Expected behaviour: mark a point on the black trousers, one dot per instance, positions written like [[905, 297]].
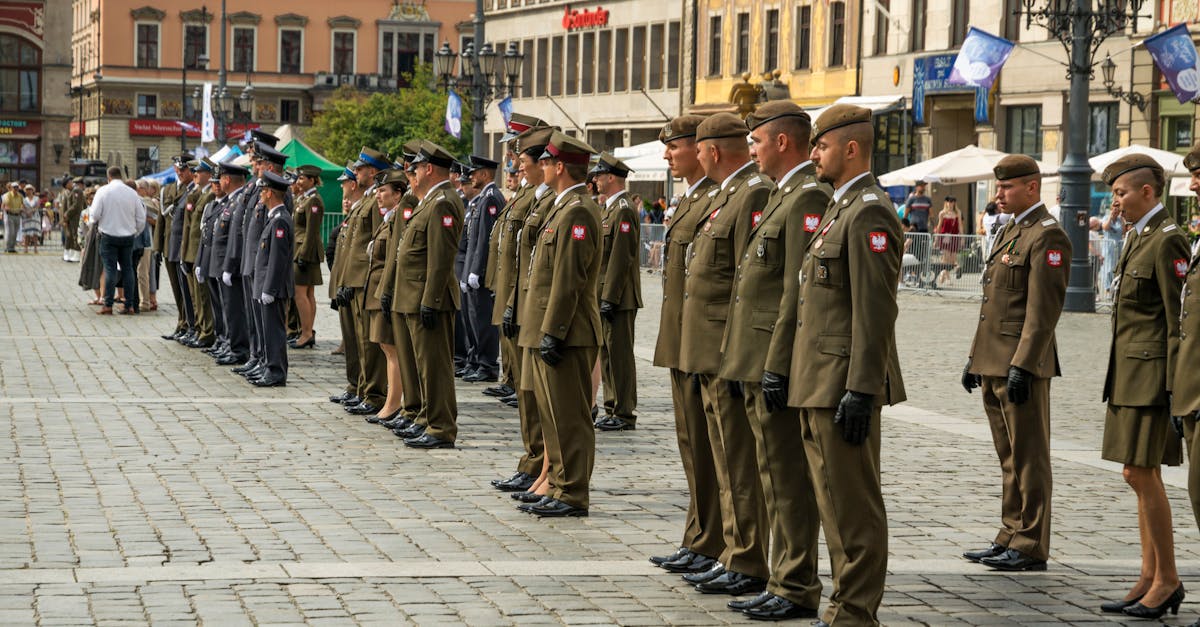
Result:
[[253, 325], [482, 335], [114, 252], [274, 337], [181, 303], [462, 349], [233, 302], [189, 314], [218, 305]]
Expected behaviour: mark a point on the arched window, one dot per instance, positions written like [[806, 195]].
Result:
[[20, 75]]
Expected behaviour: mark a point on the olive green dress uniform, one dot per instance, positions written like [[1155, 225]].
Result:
[[75, 206], [192, 227], [501, 276], [1185, 391], [380, 325], [711, 264], [168, 197], [702, 531], [307, 218], [845, 340], [364, 220], [621, 285], [764, 302], [560, 301], [341, 258], [410, 402]]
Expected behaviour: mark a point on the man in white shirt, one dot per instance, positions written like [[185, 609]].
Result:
[[119, 215]]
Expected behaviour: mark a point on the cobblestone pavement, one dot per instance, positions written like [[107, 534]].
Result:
[[139, 483]]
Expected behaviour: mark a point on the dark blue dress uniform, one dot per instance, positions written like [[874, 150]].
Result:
[[479, 301], [274, 282]]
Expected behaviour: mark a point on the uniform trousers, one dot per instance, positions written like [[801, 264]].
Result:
[[350, 350], [462, 348], [791, 502], [254, 324], [274, 318], [482, 336], [702, 530], [509, 362], [183, 295], [562, 394], [531, 422], [431, 353], [743, 511], [201, 304], [372, 364], [410, 379], [71, 233], [847, 485], [1021, 434], [234, 304], [618, 370], [218, 306]]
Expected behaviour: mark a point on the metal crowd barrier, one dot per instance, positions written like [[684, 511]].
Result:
[[653, 237]]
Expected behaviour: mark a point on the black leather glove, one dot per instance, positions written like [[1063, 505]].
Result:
[[301, 265], [551, 350], [854, 414], [509, 324], [1177, 424], [1019, 383], [429, 317], [735, 389], [345, 295], [385, 301], [774, 390], [333, 303], [970, 381], [606, 310]]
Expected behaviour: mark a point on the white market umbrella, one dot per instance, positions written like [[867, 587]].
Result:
[[1170, 162], [965, 165]]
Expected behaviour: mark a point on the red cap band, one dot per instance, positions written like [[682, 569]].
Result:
[[576, 158]]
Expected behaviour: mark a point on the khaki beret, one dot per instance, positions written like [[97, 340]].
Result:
[[680, 127], [1127, 164], [568, 149], [720, 126], [311, 171], [1192, 160], [773, 110], [608, 164], [435, 154], [1015, 166], [837, 116]]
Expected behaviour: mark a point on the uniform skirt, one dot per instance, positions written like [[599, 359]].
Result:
[[379, 328], [1140, 436], [311, 275]]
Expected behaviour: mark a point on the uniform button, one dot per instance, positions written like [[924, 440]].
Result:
[[737, 299], [799, 323], [985, 299], [981, 316], [801, 301]]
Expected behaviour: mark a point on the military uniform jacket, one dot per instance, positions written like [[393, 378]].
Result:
[[193, 222], [689, 215], [767, 282], [846, 314], [1185, 392], [563, 274], [273, 263], [74, 206], [377, 253], [307, 220], [620, 276], [424, 274], [208, 223], [495, 264], [1145, 316], [235, 249], [221, 241], [479, 231], [460, 255], [711, 263], [526, 239], [1024, 285], [162, 230], [363, 220], [253, 217], [502, 261], [404, 212], [178, 221]]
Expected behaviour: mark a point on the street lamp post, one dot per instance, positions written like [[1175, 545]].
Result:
[[1081, 26], [184, 109], [223, 96]]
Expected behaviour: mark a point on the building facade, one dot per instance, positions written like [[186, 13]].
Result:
[[35, 112], [138, 66]]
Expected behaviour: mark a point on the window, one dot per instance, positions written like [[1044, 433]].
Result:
[[588, 56], [714, 45], [604, 51], [543, 65], [771, 52], [289, 111], [656, 56], [291, 42], [400, 52], [343, 52], [243, 49], [572, 84], [20, 75], [1102, 127], [1012, 27], [637, 59], [621, 51], [881, 26], [837, 34], [960, 16], [147, 45], [147, 106], [916, 29], [803, 38], [195, 45], [526, 79], [147, 161], [1025, 130], [556, 66], [743, 43], [672, 55], [1177, 133]]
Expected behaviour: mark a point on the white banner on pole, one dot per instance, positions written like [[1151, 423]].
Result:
[[207, 124]]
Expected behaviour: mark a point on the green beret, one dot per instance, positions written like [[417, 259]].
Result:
[[837, 116], [311, 171], [1127, 164], [1192, 160], [680, 127], [720, 126], [1015, 167], [773, 110]]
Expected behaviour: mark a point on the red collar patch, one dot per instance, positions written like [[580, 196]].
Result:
[[407, 214]]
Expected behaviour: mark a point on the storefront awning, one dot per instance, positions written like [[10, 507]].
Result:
[[877, 104]]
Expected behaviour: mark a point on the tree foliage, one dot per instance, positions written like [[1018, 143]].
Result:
[[385, 121]]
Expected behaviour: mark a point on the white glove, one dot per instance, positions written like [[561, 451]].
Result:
[[197, 273], [266, 298], [473, 280], [227, 279], [462, 286], [370, 245]]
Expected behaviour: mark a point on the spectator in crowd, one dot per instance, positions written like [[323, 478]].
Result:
[[119, 216], [31, 219], [918, 207], [949, 228], [990, 221], [1113, 229], [13, 202], [147, 265], [91, 270], [1096, 253]]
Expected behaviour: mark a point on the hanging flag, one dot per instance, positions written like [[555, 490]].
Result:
[[505, 107], [207, 124], [187, 126], [1175, 55], [979, 61], [453, 114]]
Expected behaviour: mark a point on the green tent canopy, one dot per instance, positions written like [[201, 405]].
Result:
[[300, 153]]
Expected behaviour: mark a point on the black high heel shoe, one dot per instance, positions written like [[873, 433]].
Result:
[[311, 343], [1118, 607], [1137, 610]]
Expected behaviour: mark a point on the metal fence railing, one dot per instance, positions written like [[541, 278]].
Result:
[[653, 238]]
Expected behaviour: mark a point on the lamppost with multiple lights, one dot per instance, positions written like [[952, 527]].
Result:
[[1081, 26]]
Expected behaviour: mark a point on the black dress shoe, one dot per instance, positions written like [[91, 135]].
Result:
[[527, 497], [991, 551], [554, 508], [820, 623], [249, 365], [480, 376], [198, 343], [364, 408], [499, 391], [399, 422], [171, 336], [527, 507], [1118, 607], [691, 563], [352, 401], [708, 575], [779, 608], [186, 337], [461, 372], [428, 441], [511, 397], [1137, 610], [412, 431], [511, 402], [659, 560], [612, 423], [746, 604], [270, 382], [516, 483], [231, 359], [256, 372], [1013, 560], [340, 398], [734, 583]]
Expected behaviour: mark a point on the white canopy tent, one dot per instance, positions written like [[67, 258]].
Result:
[[1171, 163], [646, 161], [965, 165]]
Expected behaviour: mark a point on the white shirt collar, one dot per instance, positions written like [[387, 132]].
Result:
[[787, 177], [613, 198], [434, 189], [541, 190], [692, 188], [841, 191], [276, 210], [524, 181], [729, 178], [1028, 211], [1141, 224], [566, 191]]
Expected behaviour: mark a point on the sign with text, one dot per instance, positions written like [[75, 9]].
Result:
[[171, 128], [22, 128], [931, 75], [575, 20]]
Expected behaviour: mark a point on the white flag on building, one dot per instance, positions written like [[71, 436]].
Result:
[[207, 123]]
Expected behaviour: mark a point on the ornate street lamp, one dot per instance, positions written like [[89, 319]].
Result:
[[1132, 98]]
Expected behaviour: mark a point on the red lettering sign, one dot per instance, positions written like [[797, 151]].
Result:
[[574, 20]]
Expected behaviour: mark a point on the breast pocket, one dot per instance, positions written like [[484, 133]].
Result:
[[767, 249], [414, 240], [721, 248], [1012, 277], [829, 269], [546, 249], [1137, 283]]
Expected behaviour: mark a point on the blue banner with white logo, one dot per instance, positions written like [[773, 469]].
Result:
[[505, 107], [1175, 55], [453, 114], [931, 75], [980, 59]]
